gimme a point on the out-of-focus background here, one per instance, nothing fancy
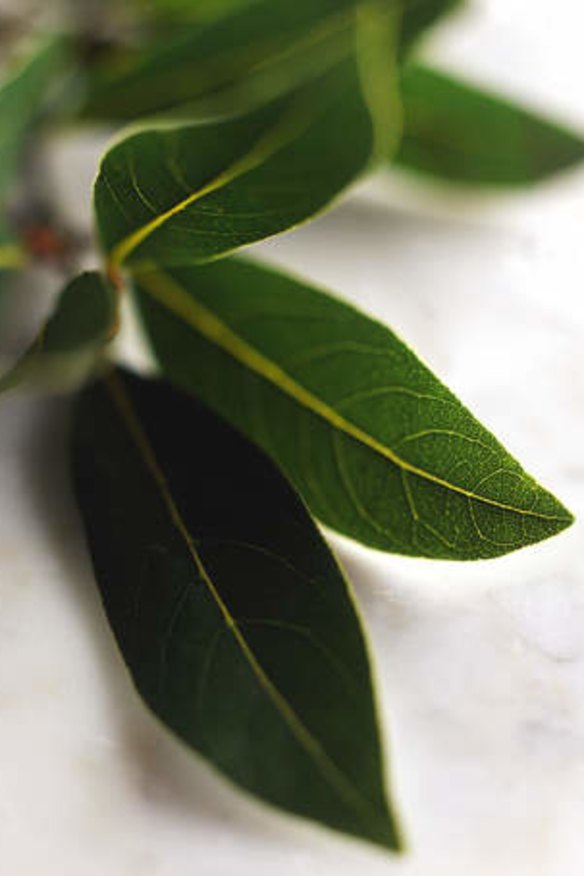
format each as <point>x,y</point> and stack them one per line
<point>480,666</point>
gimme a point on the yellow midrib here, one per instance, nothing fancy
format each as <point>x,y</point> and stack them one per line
<point>273,139</point>
<point>301,733</point>
<point>167,292</point>
<point>291,125</point>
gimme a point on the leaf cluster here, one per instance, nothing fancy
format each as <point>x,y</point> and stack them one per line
<point>277,405</point>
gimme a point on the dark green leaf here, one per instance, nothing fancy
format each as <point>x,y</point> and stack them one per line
<point>261,50</point>
<point>377,446</point>
<point>457,132</point>
<point>243,59</point>
<point>84,320</point>
<point>185,193</point>
<point>21,97</point>
<point>230,611</point>
<point>182,11</point>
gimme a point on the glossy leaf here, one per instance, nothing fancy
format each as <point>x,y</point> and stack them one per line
<point>377,446</point>
<point>83,321</point>
<point>242,59</point>
<point>21,97</point>
<point>460,133</point>
<point>235,621</point>
<point>194,192</point>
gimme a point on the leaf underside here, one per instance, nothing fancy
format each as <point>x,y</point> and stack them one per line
<point>232,616</point>
<point>379,448</point>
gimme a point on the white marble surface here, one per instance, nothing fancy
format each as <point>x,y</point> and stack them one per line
<point>481,666</point>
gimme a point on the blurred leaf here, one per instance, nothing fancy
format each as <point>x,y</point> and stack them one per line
<point>184,193</point>
<point>181,12</point>
<point>11,258</point>
<point>459,133</point>
<point>234,619</point>
<point>259,52</point>
<point>83,321</point>
<point>377,446</point>
<point>12,255</point>
<point>21,99</point>
<point>243,60</point>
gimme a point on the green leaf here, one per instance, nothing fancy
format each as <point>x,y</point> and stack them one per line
<point>236,624</point>
<point>243,59</point>
<point>21,97</point>
<point>195,192</point>
<point>379,449</point>
<point>183,11</point>
<point>457,132</point>
<point>84,320</point>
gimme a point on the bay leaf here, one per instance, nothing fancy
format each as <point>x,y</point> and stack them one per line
<point>257,53</point>
<point>84,320</point>
<point>461,133</point>
<point>243,59</point>
<point>234,619</point>
<point>378,447</point>
<point>192,192</point>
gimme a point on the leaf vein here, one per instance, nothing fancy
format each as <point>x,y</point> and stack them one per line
<point>312,747</point>
<point>175,299</point>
